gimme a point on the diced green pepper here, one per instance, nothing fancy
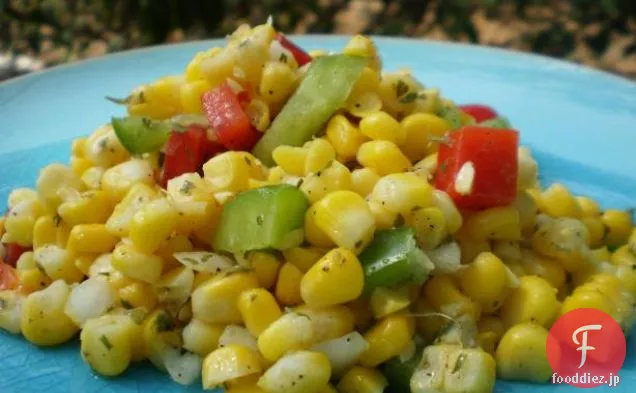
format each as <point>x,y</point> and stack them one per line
<point>399,373</point>
<point>452,115</point>
<point>393,258</point>
<point>140,134</point>
<point>270,217</point>
<point>324,89</point>
<point>497,122</point>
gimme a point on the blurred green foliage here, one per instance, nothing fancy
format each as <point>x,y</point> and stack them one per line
<point>600,33</point>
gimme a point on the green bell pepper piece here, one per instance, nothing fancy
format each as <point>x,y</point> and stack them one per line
<point>270,217</point>
<point>399,373</point>
<point>393,258</point>
<point>324,89</point>
<point>497,122</point>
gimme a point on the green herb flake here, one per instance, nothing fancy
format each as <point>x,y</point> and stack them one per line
<point>125,304</point>
<point>57,220</point>
<point>190,260</point>
<point>186,187</point>
<point>121,101</point>
<point>40,267</point>
<point>106,342</point>
<point>442,167</point>
<point>283,58</point>
<point>105,274</point>
<point>401,88</point>
<point>459,363</point>
<point>163,323</point>
<point>146,122</point>
<point>3,304</point>
<point>408,98</point>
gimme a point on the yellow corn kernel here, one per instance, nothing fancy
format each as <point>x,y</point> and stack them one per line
<point>623,256</point>
<point>362,380</point>
<point>201,338</point>
<point>564,239</point>
<point>428,101</point>
<point>91,207</point>
<point>363,180</point>
<point>327,322</point>
<point>259,309</point>
<point>335,177</point>
<point>291,159</point>
<point>283,376</point>
<point>176,243</point>
<point>521,354</point>
<point>619,226</point>
<point>228,363</point>
<point>345,218</point>
<point>381,126</point>
<point>83,262</point>
<point>303,257</point>
<point>32,280</point>
<point>277,83</point>
<point>119,221</point>
<point>430,326</point>
<point>587,298</point>
<point>320,154</point>
<point>402,192</point>
<point>533,301</point>
<point>399,92</point>
<point>497,223</point>
<point>363,104</point>
<point>288,285</point>
<point>20,222</point>
<point>557,201</point>
<point>384,218</point>
<point>589,207</point>
<point>544,267</point>
<point>265,267</point>
<point>77,147</point>
<point>216,69</point>
<point>118,180</point>
<point>430,227</point>
<point>419,128</point>
<point>596,229</point>
<point>20,195</point>
<point>345,137</point>
<point>470,247</point>
<point>104,149</point>
<point>426,167</point>
<point>289,333</point>
<point>336,278</point>
<point>45,231</point>
<point>151,110</point>
<point>194,202</point>
<point>57,263</point>
<point>487,281</point>
<point>385,301</point>
<point>383,156</point>
<point>490,330</point>
<point>193,71</point>
<point>231,170</point>
<point>360,45</point>
<point>388,338</point>
<point>453,217</point>
<point>259,114</point>
<point>138,294</point>
<point>527,208</point>
<point>136,264</point>
<point>93,238</point>
<point>92,177</point>
<point>191,93</point>
<point>444,296</point>
<point>214,301</point>
<point>79,165</point>
<point>313,233</point>
<point>627,276</point>
<point>152,225</point>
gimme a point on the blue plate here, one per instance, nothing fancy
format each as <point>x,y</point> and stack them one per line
<point>580,124</point>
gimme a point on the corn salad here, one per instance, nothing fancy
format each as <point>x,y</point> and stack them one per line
<point>266,271</point>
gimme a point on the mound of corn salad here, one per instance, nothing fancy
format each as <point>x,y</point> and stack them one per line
<point>276,221</point>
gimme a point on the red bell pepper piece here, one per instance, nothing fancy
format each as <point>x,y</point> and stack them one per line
<point>184,152</point>
<point>13,253</point>
<point>493,155</point>
<point>299,54</point>
<point>226,115</point>
<point>479,112</point>
<point>8,277</point>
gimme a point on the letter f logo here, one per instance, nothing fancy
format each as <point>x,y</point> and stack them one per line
<point>583,344</point>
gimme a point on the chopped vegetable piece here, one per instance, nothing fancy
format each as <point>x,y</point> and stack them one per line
<point>141,134</point>
<point>493,155</point>
<point>479,112</point>
<point>13,253</point>
<point>399,373</point>
<point>262,218</point>
<point>452,115</point>
<point>228,118</point>
<point>496,122</point>
<point>185,152</point>
<point>8,277</point>
<point>323,90</point>
<point>394,258</point>
<point>300,55</point>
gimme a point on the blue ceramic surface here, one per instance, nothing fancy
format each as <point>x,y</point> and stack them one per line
<point>580,123</point>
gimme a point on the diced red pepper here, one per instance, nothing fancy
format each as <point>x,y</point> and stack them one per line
<point>13,253</point>
<point>493,155</point>
<point>479,112</point>
<point>8,277</point>
<point>300,55</point>
<point>226,115</point>
<point>185,152</point>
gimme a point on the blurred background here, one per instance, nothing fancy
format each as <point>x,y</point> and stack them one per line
<point>36,34</point>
